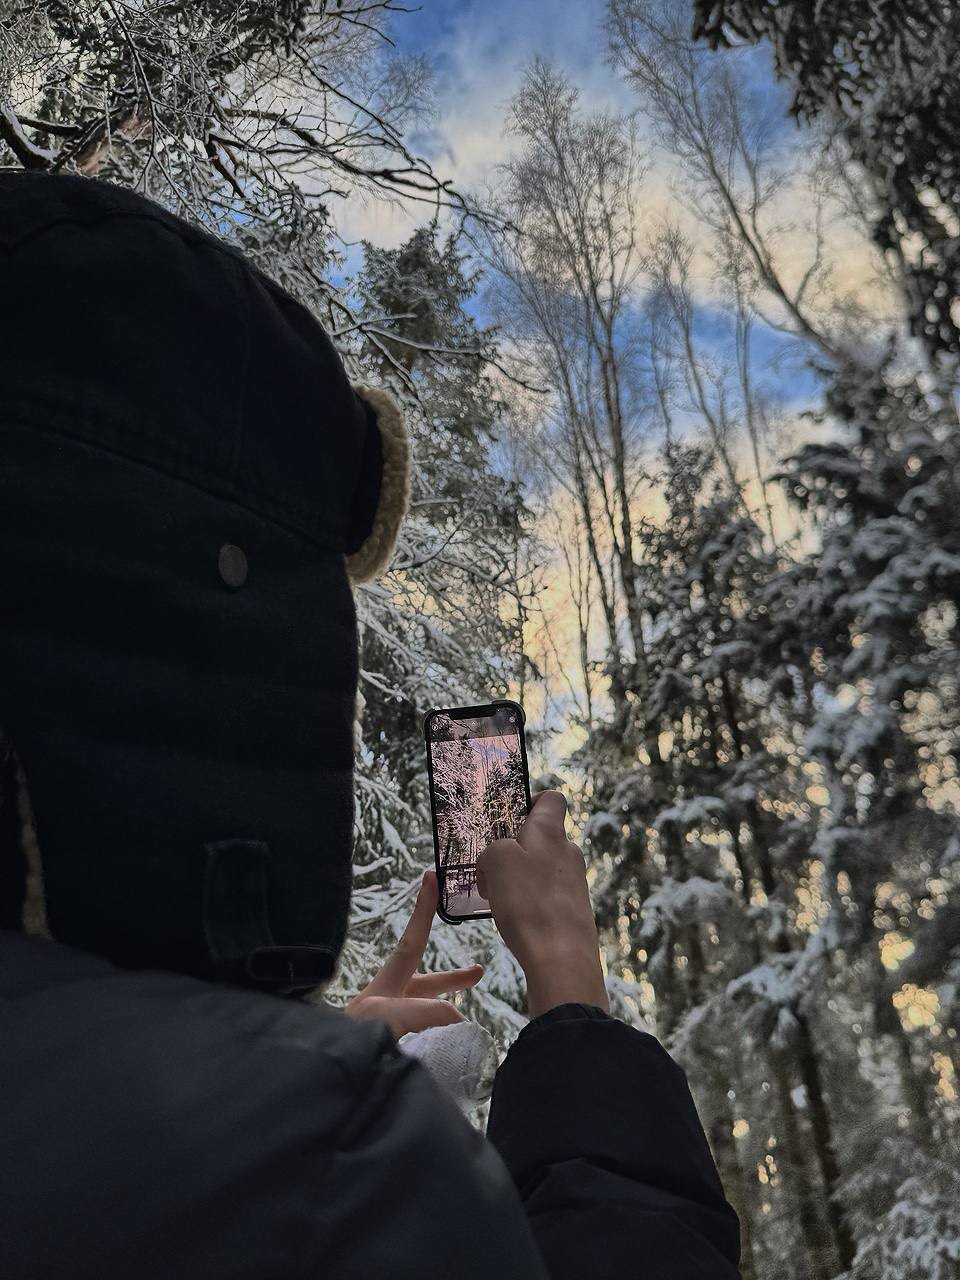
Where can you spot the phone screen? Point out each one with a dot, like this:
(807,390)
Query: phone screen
(480,792)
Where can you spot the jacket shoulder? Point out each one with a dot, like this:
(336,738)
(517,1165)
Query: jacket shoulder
(211,1125)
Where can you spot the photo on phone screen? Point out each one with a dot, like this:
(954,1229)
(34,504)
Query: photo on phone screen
(479,791)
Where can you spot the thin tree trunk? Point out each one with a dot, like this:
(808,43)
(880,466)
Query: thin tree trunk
(812,1225)
(724,1149)
(823,1140)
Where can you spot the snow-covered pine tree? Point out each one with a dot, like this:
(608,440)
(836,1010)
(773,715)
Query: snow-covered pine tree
(881,599)
(712,889)
(445,626)
(882,596)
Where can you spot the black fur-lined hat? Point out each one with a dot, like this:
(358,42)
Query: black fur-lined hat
(188,486)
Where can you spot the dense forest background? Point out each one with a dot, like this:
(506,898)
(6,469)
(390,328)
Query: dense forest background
(688,486)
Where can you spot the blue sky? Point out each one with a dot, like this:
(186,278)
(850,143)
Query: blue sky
(478,49)
(499,35)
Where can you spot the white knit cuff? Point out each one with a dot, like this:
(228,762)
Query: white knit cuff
(370,560)
(462,1057)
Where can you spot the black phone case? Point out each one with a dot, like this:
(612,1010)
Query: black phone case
(465,713)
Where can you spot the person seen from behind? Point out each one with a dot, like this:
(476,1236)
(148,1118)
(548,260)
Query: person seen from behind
(190,489)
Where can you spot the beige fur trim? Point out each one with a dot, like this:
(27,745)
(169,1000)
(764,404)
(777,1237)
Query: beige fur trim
(370,560)
(35,905)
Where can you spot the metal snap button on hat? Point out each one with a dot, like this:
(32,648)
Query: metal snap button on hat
(232,564)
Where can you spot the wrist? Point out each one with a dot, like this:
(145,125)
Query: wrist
(566,981)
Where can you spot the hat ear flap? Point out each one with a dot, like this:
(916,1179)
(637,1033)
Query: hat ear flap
(373,555)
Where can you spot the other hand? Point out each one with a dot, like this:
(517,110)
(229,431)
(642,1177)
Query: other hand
(400,996)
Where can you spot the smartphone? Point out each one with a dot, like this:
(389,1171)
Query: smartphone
(479,791)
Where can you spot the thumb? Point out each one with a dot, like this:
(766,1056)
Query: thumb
(547,814)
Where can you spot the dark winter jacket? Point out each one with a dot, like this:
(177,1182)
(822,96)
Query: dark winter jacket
(154,1126)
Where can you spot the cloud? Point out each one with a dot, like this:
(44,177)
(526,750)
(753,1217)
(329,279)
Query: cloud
(479,48)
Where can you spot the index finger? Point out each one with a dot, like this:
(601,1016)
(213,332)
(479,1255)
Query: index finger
(547,814)
(405,958)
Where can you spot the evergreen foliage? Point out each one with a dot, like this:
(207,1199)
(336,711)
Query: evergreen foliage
(444,627)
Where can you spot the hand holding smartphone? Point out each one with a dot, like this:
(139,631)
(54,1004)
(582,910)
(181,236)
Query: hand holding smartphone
(498,855)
